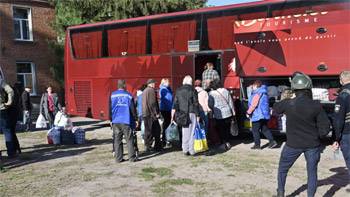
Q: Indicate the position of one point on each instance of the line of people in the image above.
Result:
(191, 102)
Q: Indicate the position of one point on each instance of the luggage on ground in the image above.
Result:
(67, 137)
(54, 136)
(79, 135)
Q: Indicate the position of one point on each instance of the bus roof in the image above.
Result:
(183, 13)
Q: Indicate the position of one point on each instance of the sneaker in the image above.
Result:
(273, 144)
(187, 154)
(256, 147)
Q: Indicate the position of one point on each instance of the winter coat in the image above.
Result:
(258, 104)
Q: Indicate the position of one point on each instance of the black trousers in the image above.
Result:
(13, 122)
(120, 130)
(258, 126)
(223, 128)
(152, 131)
(167, 118)
(51, 119)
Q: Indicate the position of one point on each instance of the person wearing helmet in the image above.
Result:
(307, 124)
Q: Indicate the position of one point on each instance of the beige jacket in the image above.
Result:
(6, 91)
(203, 99)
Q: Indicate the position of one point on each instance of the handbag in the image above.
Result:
(234, 130)
(200, 140)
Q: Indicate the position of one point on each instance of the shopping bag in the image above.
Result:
(41, 122)
(234, 130)
(200, 140)
(172, 133)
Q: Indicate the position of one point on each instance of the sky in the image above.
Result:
(226, 2)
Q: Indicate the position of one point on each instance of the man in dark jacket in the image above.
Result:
(186, 103)
(341, 121)
(307, 123)
(6, 100)
(150, 115)
(123, 120)
(14, 113)
(27, 108)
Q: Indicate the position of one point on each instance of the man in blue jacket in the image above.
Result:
(123, 116)
(165, 105)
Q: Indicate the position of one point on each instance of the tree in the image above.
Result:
(75, 12)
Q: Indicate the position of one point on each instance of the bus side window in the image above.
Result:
(127, 41)
(87, 45)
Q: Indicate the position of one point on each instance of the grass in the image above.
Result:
(56, 171)
(166, 186)
(149, 173)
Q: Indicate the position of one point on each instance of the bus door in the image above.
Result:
(181, 65)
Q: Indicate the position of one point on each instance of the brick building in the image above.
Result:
(24, 50)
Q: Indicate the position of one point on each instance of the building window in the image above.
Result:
(26, 75)
(22, 21)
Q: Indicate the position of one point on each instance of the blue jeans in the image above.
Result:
(345, 148)
(289, 156)
(6, 129)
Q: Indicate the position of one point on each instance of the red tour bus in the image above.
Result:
(266, 40)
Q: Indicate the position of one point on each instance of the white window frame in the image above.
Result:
(30, 26)
(32, 65)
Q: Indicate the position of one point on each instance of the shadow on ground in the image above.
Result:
(338, 180)
(45, 152)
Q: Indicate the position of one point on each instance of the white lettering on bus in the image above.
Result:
(248, 23)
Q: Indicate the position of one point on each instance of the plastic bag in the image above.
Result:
(143, 130)
(172, 133)
(200, 140)
(41, 122)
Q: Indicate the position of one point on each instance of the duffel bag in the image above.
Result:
(67, 137)
(79, 135)
(54, 136)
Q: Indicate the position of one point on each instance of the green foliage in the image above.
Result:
(57, 69)
(76, 12)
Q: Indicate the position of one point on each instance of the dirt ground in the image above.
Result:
(90, 170)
